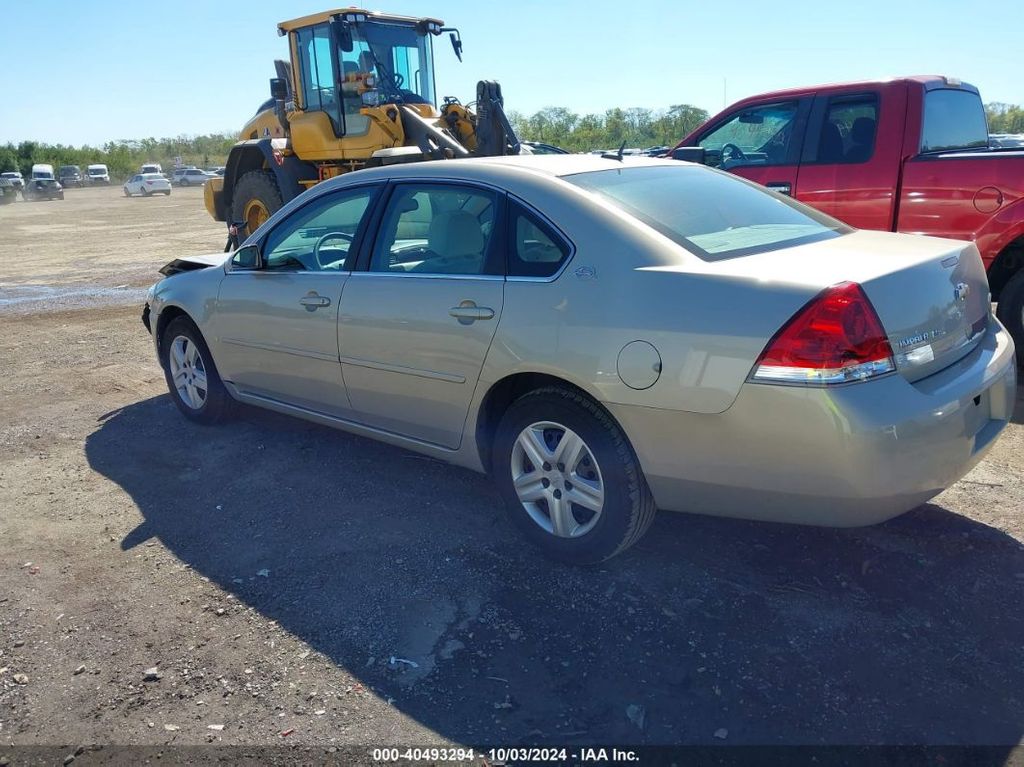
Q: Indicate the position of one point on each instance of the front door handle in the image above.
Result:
(467, 312)
(312, 301)
(782, 187)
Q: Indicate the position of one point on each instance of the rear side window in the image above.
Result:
(535, 249)
(848, 133)
(953, 119)
(712, 214)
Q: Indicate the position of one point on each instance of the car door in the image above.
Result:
(418, 318)
(761, 143)
(276, 326)
(846, 171)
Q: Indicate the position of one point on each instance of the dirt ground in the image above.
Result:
(270, 581)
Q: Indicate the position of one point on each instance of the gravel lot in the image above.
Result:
(249, 584)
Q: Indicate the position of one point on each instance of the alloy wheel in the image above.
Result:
(557, 479)
(188, 372)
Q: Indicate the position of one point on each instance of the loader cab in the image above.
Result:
(347, 67)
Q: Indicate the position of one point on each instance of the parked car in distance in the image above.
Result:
(42, 189)
(191, 177)
(151, 167)
(179, 172)
(884, 155)
(1006, 141)
(70, 175)
(599, 354)
(42, 170)
(15, 177)
(537, 147)
(218, 171)
(97, 174)
(147, 184)
(8, 191)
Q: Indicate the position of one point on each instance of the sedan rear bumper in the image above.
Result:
(841, 456)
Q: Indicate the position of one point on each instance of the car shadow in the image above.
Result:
(903, 633)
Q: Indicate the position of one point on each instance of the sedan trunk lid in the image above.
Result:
(930, 294)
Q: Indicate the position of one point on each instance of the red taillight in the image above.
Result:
(836, 338)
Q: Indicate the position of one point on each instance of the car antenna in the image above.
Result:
(617, 155)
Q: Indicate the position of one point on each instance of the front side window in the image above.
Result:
(848, 133)
(535, 251)
(318, 237)
(713, 215)
(953, 119)
(756, 136)
(436, 229)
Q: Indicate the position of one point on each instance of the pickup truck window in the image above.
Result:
(953, 119)
(756, 136)
(848, 133)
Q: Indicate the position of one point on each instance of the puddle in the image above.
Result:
(49, 298)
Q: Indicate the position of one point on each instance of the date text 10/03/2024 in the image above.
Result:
(502, 755)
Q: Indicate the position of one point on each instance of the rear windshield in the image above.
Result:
(953, 119)
(711, 214)
(97, 171)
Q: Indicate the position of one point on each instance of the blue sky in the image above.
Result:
(78, 72)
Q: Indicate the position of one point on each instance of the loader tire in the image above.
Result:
(256, 198)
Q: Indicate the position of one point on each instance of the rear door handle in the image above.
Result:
(468, 312)
(782, 187)
(312, 301)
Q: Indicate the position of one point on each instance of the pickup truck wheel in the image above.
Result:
(569, 477)
(1010, 311)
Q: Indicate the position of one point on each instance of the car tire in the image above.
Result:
(168, 193)
(182, 340)
(126, 192)
(254, 186)
(605, 464)
(1010, 311)
(183, 182)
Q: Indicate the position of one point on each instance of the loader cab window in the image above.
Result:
(389, 63)
(317, 73)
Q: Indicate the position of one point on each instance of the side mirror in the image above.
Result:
(247, 258)
(456, 44)
(689, 154)
(278, 89)
(343, 34)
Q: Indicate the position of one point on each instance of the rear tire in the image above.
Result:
(604, 467)
(192, 377)
(255, 190)
(1010, 311)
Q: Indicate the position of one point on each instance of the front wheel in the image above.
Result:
(126, 192)
(569, 477)
(1010, 311)
(255, 199)
(191, 376)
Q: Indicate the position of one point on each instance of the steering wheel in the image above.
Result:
(733, 152)
(323, 238)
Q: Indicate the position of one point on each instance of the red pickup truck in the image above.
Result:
(905, 155)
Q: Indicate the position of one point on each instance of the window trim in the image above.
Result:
(816, 123)
(375, 190)
(496, 243)
(570, 246)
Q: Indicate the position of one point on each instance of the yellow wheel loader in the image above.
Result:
(357, 92)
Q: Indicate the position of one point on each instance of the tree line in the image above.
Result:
(636, 126)
(122, 158)
(1004, 118)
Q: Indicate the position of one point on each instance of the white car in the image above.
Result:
(191, 177)
(147, 184)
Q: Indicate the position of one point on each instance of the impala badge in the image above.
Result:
(961, 291)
